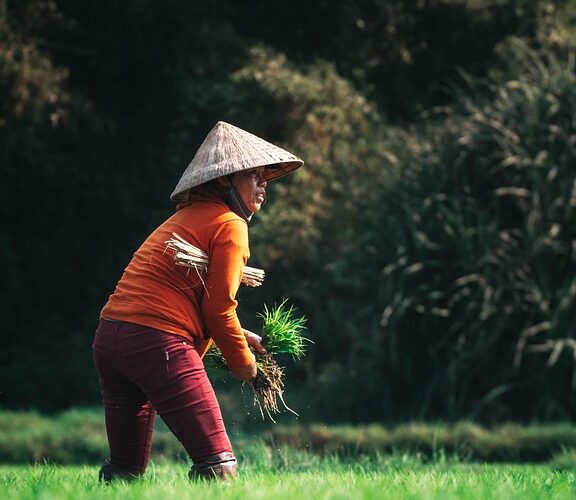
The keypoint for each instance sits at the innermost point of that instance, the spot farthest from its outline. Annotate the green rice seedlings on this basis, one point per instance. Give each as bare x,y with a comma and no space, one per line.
282,331
281,334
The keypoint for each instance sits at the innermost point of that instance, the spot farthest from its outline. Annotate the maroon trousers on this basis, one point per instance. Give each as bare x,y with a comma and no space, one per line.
142,371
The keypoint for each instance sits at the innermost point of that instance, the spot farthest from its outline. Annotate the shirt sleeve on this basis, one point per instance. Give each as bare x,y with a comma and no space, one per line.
228,255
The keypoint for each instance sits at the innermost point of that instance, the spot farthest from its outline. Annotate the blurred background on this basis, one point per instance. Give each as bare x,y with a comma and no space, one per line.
430,238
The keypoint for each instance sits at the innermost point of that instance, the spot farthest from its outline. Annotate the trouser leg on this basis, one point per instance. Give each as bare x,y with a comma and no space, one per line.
129,427
183,396
129,415
165,370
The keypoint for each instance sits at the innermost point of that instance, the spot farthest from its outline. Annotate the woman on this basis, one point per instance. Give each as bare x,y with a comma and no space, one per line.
161,318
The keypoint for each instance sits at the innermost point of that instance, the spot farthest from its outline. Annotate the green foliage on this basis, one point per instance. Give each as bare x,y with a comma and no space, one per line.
482,281
71,437
326,121
78,437
564,460
459,273
464,440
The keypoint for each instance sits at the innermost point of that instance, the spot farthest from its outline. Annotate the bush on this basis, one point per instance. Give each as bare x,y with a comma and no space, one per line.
70,437
78,437
458,296
464,440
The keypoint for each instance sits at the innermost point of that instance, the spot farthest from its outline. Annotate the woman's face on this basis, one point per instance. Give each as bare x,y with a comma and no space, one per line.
251,187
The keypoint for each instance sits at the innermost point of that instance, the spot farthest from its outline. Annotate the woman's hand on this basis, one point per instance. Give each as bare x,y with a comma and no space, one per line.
248,373
245,374
254,341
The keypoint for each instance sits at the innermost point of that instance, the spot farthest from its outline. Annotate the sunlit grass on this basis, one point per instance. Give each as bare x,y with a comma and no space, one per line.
330,479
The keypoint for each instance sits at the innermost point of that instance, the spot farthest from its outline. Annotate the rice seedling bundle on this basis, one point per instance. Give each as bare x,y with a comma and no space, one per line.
281,334
187,255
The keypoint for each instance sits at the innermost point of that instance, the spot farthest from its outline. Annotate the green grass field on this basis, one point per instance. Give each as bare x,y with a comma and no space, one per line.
428,461
331,479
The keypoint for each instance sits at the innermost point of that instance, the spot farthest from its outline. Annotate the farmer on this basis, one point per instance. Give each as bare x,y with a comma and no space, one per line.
161,318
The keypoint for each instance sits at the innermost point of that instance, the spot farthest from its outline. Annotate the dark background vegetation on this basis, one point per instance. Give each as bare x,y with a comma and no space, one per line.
430,238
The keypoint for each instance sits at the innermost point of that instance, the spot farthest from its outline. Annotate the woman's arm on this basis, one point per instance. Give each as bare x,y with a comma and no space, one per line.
228,255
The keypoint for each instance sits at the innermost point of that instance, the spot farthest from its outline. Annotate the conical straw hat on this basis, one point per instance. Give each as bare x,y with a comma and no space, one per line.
228,149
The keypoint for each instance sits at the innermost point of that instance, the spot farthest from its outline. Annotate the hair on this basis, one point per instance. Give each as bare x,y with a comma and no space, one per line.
212,186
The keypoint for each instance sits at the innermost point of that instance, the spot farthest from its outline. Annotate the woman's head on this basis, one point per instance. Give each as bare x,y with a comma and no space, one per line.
244,191
251,187
229,151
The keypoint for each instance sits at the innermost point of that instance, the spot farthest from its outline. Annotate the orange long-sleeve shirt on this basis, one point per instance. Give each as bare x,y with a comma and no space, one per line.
155,292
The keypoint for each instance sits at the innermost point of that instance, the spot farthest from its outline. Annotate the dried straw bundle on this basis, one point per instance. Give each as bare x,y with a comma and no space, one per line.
187,255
